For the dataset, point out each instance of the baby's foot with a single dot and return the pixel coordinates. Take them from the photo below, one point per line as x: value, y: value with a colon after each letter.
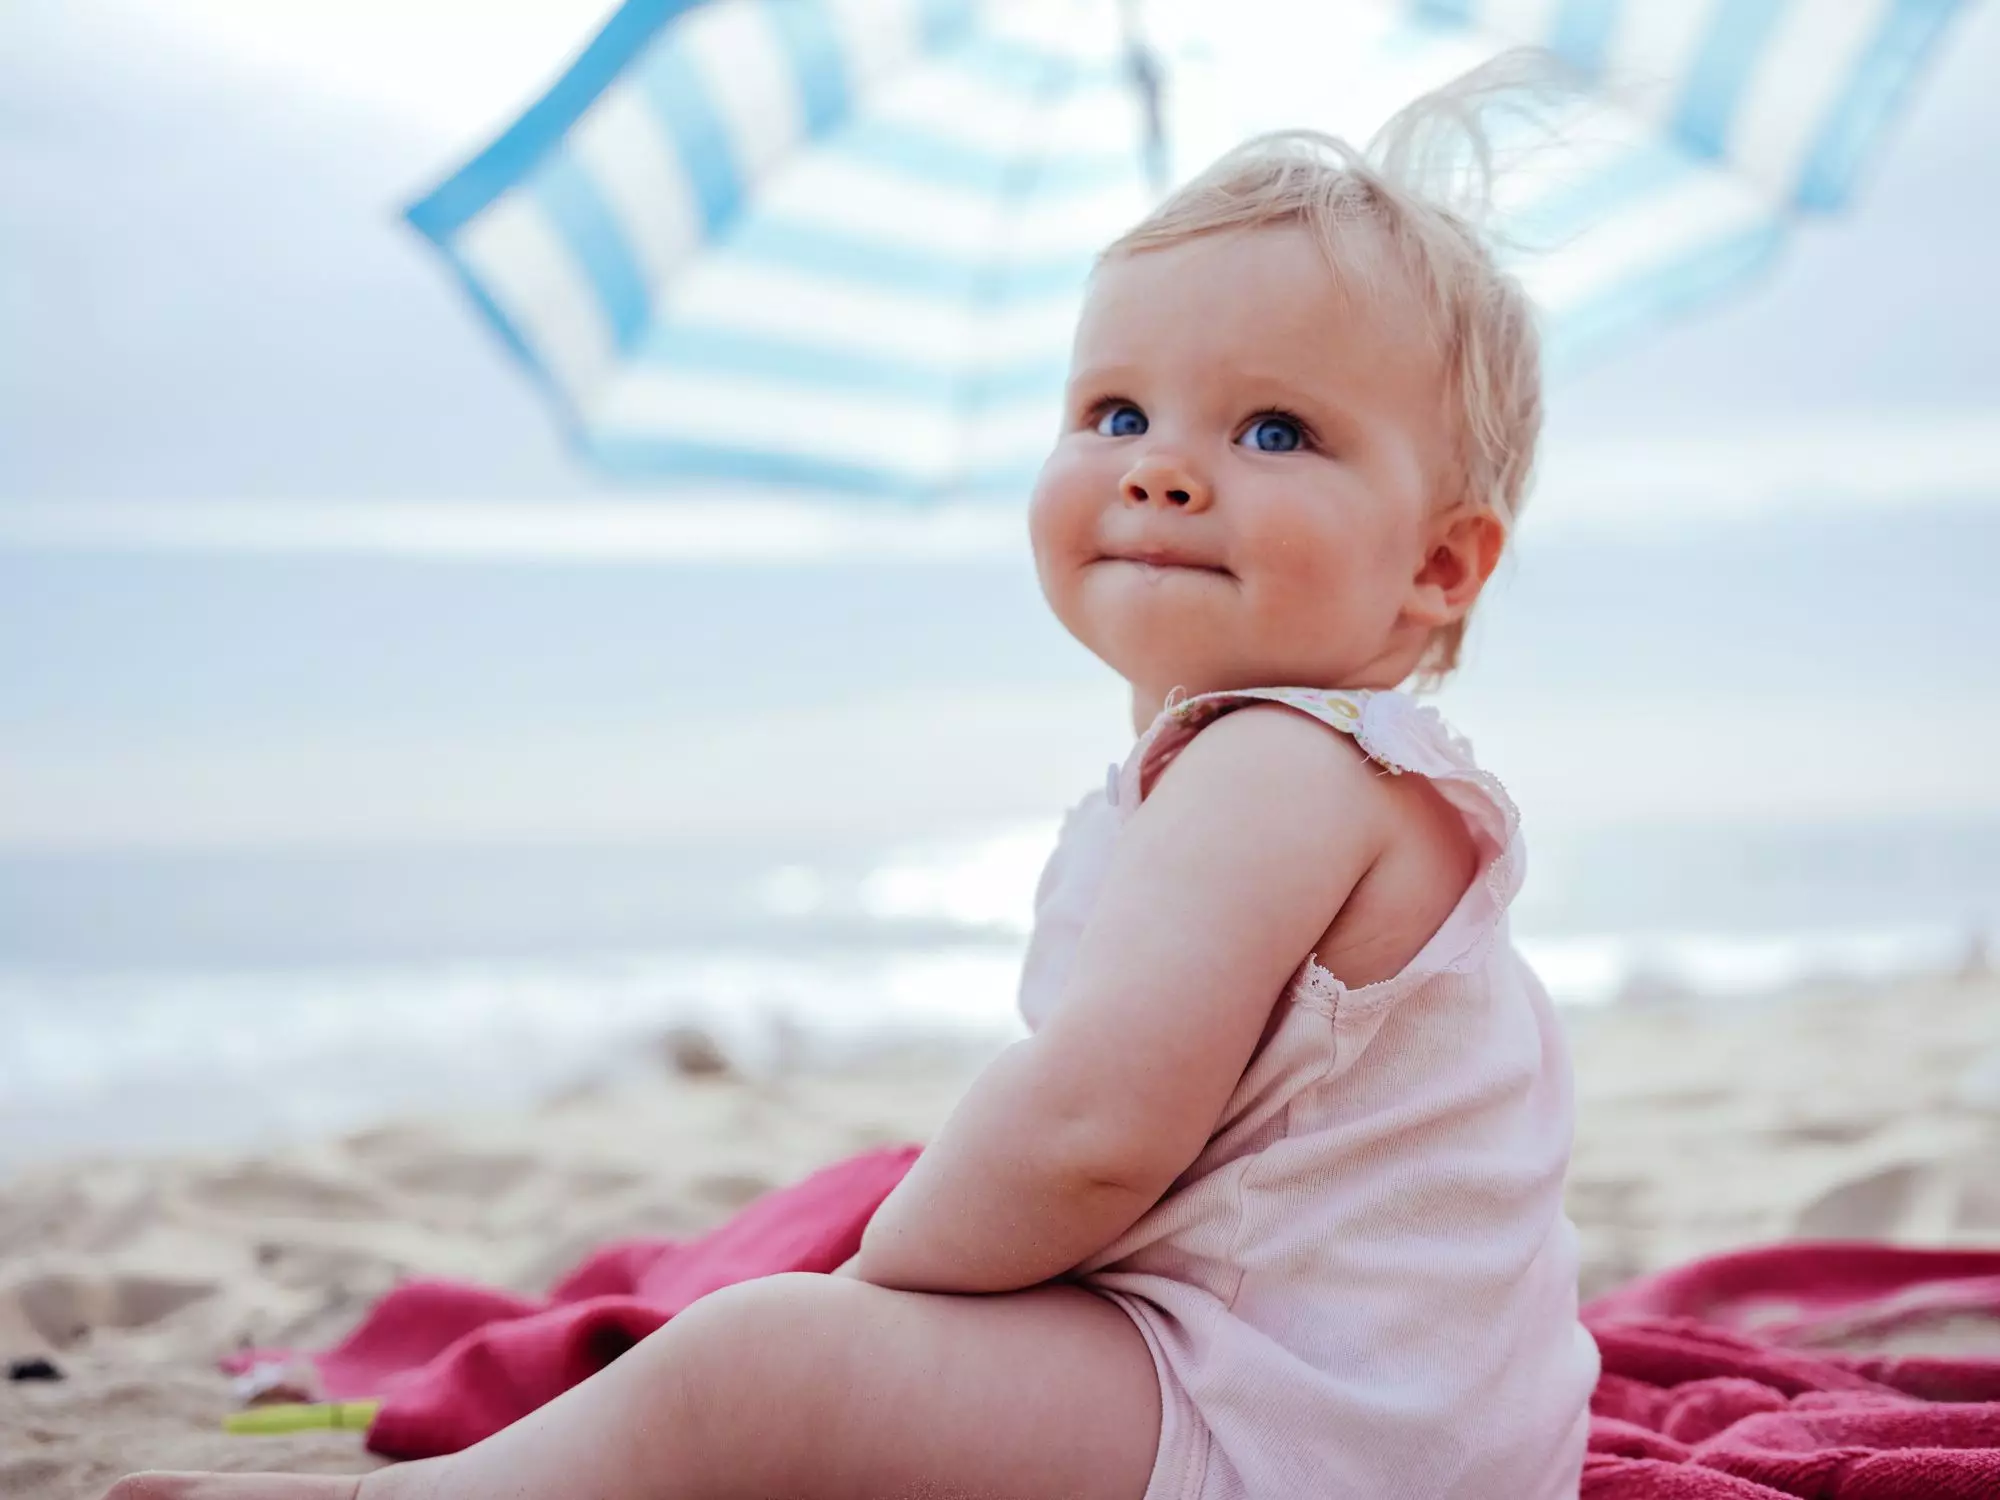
x: 153, y: 1486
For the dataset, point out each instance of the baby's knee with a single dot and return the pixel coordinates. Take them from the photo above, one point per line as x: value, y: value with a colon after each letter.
x: 748, y: 1372
x: 745, y: 1342
x: 772, y: 1315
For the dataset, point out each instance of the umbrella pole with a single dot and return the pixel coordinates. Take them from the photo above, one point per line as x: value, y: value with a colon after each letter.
x: 1149, y: 78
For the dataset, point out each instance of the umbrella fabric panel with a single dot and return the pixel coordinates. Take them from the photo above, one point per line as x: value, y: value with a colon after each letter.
x: 902, y: 298
x: 1715, y: 123
x: 1790, y: 94
x: 647, y: 149
x: 1706, y: 126
x: 869, y: 315
x: 836, y: 247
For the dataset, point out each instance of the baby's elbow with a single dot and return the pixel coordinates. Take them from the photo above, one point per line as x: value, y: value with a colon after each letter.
x: 1090, y: 1134
x: 1103, y: 1157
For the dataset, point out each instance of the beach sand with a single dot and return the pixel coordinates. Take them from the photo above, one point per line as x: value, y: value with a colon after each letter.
x: 1832, y: 1112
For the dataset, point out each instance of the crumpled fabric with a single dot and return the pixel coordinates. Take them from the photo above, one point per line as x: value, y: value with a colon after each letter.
x: 1711, y: 1387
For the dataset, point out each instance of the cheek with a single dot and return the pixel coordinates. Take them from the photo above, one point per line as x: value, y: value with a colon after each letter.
x: 1062, y: 513
x: 1324, y: 555
x: 1301, y: 550
x: 1053, y: 525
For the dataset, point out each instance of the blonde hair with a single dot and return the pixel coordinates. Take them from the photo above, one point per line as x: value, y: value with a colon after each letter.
x: 1420, y: 190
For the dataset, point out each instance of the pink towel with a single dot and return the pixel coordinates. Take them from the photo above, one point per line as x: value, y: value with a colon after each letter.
x: 1708, y: 1392
x: 454, y: 1363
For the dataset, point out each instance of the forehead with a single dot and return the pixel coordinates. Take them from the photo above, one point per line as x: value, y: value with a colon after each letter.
x: 1267, y: 297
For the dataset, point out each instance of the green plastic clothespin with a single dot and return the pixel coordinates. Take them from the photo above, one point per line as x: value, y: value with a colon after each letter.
x: 297, y: 1417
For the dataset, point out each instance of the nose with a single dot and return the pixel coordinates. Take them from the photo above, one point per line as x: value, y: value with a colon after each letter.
x: 1160, y: 479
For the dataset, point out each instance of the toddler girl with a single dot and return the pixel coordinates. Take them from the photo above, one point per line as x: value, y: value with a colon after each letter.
x: 1269, y: 1205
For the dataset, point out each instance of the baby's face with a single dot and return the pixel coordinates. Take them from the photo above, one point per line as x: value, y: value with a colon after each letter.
x: 1241, y: 492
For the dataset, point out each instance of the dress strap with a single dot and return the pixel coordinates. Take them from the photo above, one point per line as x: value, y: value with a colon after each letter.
x: 1399, y: 734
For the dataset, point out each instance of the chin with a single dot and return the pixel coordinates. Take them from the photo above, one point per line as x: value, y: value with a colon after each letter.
x: 1138, y: 625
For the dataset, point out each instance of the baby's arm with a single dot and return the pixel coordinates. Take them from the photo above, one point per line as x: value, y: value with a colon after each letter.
x: 1224, y: 879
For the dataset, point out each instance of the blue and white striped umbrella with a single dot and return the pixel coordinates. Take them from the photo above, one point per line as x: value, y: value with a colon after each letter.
x: 836, y: 247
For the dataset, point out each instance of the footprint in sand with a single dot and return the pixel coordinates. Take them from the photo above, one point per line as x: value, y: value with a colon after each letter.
x: 1904, y: 1202
x: 1979, y: 1192
x: 24, y: 1476
x: 732, y: 1189
x: 380, y: 1142
x: 601, y: 1182
x: 59, y: 1310
x: 310, y: 1267
x: 1603, y: 1200
x: 40, y: 1217
x: 288, y: 1191
x: 1826, y: 1132
x: 1978, y: 1087
x: 421, y: 1160
x: 453, y: 1173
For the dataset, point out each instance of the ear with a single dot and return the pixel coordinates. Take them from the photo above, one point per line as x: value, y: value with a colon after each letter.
x: 1460, y: 555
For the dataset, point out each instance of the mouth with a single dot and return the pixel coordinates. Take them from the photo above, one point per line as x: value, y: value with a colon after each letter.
x: 1154, y: 561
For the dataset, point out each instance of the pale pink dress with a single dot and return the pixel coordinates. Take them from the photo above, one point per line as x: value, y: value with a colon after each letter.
x: 1365, y: 1285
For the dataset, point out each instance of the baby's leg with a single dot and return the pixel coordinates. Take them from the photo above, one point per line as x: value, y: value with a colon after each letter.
x: 821, y: 1388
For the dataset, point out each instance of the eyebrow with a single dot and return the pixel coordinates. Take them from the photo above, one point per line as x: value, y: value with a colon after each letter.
x: 1102, y: 375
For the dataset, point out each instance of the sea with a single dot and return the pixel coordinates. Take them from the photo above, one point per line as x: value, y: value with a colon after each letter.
x: 292, y: 843
x: 224, y: 1001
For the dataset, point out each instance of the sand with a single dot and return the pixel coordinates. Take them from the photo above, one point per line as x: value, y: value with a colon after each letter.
x: 1701, y: 1125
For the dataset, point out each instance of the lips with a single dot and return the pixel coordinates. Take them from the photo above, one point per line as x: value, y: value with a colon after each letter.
x: 1160, y: 557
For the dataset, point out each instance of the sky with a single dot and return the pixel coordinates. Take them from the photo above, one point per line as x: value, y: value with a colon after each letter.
x: 1761, y: 546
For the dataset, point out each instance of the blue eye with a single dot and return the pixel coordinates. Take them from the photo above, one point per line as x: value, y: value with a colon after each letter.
x: 1123, y: 420
x: 1274, y: 435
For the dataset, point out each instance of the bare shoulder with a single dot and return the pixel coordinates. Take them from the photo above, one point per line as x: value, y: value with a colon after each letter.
x: 1276, y: 762
x: 1305, y: 801
x: 1248, y: 844
x: 1249, y: 853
